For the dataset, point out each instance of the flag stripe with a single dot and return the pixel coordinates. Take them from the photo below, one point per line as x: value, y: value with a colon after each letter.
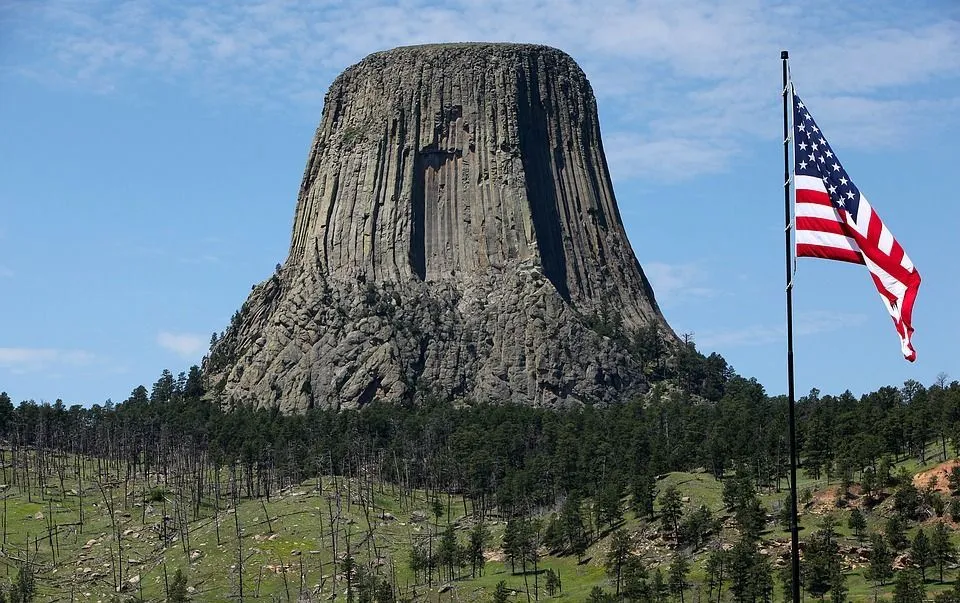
x: 812, y: 210
x: 828, y: 253
x: 807, y: 226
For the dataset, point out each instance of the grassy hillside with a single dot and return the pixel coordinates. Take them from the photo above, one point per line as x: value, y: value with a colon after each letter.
x: 293, y: 546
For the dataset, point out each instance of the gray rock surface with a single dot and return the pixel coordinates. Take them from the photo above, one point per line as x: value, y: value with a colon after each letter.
x: 456, y: 234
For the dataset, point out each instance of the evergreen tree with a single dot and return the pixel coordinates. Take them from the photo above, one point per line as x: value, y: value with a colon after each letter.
x: 954, y: 480
x: 908, y: 587
x: 907, y: 500
x: 671, y: 509
x: 659, y: 588
x: 643, y: 495
x: 942, y: 548
x: 821, y: 564
x: 881, y: 561
x: 608, y: 506
x: 598, y: 595
x: 478, y: 539
x: 515, y: 542
x: 25, y: 586
x: 751, y: 576
x: 921, y: 553
x: 502, y: 593
x: 954, y: 509
x: 715, y: 571
x: 551, y: 584
x: 448, y: 551
x: 571, y: 521
x: 635, y: 584
x: 679, y: 569
x: 896, y: 537
x: 384, y: 592
x: 553, y: 536
x: 178, y: 588
x: 857, y: 523
x: 697, y: 526
x: 617, y: 557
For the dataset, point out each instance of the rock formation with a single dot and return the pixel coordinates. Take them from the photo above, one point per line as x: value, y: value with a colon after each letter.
x: 456, y: 235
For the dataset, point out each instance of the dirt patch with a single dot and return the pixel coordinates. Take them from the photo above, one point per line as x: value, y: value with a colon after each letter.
x: 495, y: 555
x: 942, y: 474
x: 823, y: 501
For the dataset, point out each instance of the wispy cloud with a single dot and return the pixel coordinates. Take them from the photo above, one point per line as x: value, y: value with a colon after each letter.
x: 28, y: 360
x: 672, y: 282
x: 808, y: 323
x: 6, y: 272
x: 186, y: 345
x: 204, y: 258
x: 681, y: 83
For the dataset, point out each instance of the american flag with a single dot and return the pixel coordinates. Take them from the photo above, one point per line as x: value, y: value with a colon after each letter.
x: 835, y: 221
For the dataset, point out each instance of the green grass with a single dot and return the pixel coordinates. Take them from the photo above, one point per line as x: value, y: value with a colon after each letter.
x: 81, y: 562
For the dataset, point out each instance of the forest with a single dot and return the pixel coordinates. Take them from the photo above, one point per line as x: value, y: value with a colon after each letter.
x: 560, y: 480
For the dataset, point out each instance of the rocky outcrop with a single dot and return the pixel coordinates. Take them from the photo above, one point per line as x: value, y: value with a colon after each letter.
x: 456, y: 234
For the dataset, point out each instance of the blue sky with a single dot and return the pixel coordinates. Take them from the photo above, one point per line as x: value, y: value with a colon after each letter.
x: 152, y: 152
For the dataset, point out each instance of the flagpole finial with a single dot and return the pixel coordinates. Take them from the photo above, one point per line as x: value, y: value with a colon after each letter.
x: 784, y: 55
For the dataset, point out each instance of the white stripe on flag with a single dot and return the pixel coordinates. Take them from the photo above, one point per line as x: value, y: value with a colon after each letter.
x: 864, y: 211
x: 815, y: 210
x: 886, y: 240
x: 826, y: 239
x: 810, y: 183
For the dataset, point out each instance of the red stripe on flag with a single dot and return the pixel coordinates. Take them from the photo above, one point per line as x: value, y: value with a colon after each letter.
x: 806, y: 195
x: 821, y: 225
x: 805, y: 250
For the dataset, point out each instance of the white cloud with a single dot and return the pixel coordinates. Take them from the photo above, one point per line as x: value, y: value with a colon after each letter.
x: 28, y: 360
x: 807, y: 323
x: 6, y: 272
x: 681, y: 83
x: 187, y: 345
x: 666, y: 158
x: 675, y: 281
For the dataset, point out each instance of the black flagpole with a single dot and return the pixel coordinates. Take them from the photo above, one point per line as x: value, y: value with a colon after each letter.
x: 794, y: 529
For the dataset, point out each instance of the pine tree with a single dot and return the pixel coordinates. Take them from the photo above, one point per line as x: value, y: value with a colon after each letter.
x: 659, y: 587
x: 617, y: 557
x: 921, y: 553
x: 671, y: 509
x: 608, y: 506
x: 821, y: 564
x: 908, y: 587
x: 896, y: 537
x: 502, y: 593
x: 642, y: 497
x: 716, y: 571
x: 857, y: 523
x: 448, y: 551
x: 942, y: 547
x: 678, y: 575
x: 478, y: 538
x: 881, y: 561
x: 178, y: 588
x: 571, y: 520
x: 551, y: 584
x: 598, y: 595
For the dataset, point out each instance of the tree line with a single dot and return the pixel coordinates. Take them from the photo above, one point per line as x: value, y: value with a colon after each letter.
x: 506, y: 457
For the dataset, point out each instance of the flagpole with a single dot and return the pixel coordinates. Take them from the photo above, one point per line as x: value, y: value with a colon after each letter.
x: 788, y: 227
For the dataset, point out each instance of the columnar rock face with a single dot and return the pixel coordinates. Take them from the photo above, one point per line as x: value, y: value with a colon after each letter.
x: 456, y: 235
